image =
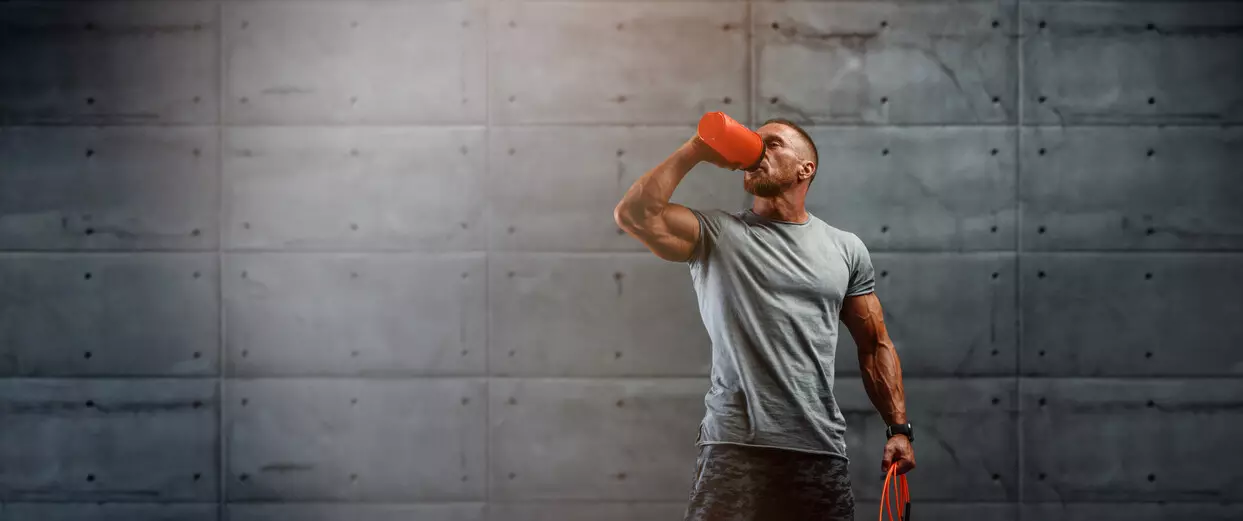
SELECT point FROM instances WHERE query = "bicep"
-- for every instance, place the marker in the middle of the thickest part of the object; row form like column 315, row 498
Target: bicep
column 672, row 235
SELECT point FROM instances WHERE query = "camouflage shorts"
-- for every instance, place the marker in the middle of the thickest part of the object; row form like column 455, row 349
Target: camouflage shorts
column 737, row 483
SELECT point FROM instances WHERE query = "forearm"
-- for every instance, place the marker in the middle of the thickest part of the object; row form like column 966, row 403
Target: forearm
column 882, row 379
column 650, row 194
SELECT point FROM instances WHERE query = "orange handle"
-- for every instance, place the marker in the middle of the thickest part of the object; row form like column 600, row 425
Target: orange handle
column 902, row 495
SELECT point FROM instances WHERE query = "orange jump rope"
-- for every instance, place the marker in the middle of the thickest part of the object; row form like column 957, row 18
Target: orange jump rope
column 902, row 496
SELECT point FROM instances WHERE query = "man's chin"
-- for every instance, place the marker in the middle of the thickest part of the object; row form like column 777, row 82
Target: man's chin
column 762, row 189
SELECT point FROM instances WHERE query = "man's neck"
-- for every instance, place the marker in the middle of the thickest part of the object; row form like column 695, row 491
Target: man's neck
column 785, row 207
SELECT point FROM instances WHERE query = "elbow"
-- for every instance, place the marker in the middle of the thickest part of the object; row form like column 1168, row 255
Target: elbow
column 622, row 216
column 632, row 217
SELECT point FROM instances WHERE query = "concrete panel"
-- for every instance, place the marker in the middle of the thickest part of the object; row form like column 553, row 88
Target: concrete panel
column 354, row 314
column 108, row 187
column 1080, row 314
column 938, row 189
column 108, row 62
column 617, row 62
column 1132, row 512
column 965, row 439
column 108, row 440
column 1132, row 188
column 340, row 512
column 379, row 440
column 356, row 61
column 108, row 314
column 599, row 439
column 1126, row 62
column 107, row 512
column 1131, row 440
column 554, row 189
column 598, row 315
column 354, row 188
column 946, row 314
column 577, row 511
column 877, row 63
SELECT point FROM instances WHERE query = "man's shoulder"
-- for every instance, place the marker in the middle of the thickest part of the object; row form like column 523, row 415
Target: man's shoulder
column 718, row 213
column 838, row 234
column 718, row 218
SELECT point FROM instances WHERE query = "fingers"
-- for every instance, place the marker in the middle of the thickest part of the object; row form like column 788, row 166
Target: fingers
column 906, row 465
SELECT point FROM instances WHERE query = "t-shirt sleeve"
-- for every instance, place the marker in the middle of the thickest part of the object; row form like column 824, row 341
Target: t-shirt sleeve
column 862, row 275
column 709, row 233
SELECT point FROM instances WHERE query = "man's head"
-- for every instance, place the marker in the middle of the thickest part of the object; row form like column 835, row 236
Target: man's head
column 790, row 159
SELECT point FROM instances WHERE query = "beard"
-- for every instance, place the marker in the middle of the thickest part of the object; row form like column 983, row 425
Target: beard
column 765, row 184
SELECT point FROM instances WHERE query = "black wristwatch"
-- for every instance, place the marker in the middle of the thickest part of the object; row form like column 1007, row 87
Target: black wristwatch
column 901, row 428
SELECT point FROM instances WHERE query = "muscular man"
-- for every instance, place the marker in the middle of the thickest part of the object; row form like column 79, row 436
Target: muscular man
column 773, row 281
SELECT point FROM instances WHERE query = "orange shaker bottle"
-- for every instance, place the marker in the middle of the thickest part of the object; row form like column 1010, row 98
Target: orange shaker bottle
column 733, row 140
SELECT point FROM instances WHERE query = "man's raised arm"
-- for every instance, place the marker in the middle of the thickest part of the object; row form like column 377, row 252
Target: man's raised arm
column 669, row 230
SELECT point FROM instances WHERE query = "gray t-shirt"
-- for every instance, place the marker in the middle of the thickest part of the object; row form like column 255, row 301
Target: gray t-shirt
column 770, row 294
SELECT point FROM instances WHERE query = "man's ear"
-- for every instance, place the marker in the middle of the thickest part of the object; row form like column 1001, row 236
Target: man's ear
column 806, row 170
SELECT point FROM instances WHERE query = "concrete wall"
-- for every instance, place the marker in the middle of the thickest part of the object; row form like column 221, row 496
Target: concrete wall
column 355, row 260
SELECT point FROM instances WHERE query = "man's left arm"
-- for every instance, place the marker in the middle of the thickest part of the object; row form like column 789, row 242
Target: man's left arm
column 881, row 371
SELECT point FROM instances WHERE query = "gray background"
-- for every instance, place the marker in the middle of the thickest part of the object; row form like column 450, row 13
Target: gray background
column 355, row 260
